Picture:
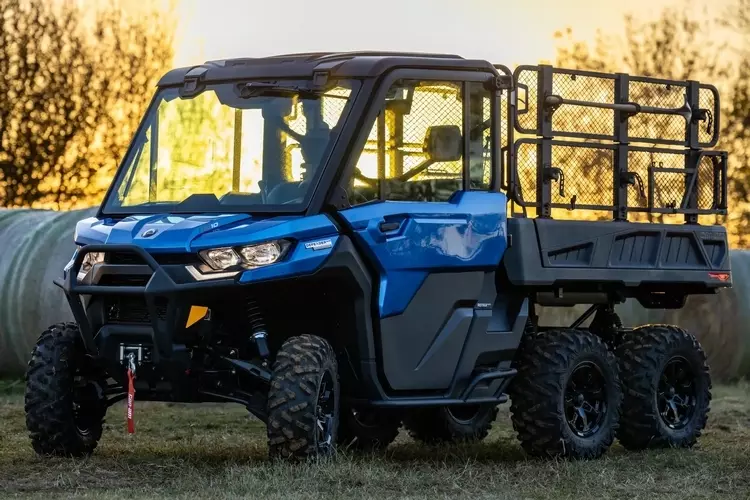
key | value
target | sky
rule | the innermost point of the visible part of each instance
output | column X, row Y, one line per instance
column 501, row 31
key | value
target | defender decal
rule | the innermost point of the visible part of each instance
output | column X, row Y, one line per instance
column 319, row 245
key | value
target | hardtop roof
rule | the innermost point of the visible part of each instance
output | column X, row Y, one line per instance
column 338, row 64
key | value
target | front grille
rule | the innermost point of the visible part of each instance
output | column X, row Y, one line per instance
column 165, row 259
column 131, row 310
column 124, row 279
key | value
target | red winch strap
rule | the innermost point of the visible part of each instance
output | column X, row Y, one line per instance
column 131, row 402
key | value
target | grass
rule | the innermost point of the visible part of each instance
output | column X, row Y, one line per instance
column 214, row 451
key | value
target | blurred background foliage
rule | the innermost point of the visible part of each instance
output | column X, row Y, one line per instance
column 74, row 82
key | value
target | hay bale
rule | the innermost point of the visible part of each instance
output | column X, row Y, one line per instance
column 36, row 245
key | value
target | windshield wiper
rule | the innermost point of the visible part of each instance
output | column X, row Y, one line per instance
column 254, row 89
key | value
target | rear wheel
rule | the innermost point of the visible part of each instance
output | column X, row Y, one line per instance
column 566, row 395
column 303, row 403
column 64, row 402
column 367, row 429
column 667, row 388
column 445, row 424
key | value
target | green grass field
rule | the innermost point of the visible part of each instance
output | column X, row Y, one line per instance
column 212, row 451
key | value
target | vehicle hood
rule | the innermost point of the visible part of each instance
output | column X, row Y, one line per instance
column 168, row 233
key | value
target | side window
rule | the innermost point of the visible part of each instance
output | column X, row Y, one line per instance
column 414, row 151
column 480, row 121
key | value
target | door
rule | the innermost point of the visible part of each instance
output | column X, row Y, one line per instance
column 428, row 223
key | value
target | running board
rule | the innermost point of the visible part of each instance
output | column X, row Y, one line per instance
column 475, row 393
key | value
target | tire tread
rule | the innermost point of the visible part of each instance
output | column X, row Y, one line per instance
column 299, row 364
column 543, row 362
column 641, row 356
column 48, row 401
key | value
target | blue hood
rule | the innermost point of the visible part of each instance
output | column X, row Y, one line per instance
column 168, row 233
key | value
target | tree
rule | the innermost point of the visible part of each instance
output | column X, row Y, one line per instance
column 736, row 126
column 673, row 46
column 72, row 96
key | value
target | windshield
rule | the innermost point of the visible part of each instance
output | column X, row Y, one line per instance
column 234, row 147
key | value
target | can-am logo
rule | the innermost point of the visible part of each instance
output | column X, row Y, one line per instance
column 148, row 232
column 319, row 245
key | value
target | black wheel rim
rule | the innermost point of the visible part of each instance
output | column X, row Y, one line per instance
column 87, row 404
column 585, row 399
column 465, row 413
column 324, row 411
column 676, row 395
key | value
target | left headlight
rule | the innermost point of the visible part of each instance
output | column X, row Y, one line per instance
column 89, row 260
column 247, row 257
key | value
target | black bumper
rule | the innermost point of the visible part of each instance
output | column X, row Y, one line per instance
column 170, row 283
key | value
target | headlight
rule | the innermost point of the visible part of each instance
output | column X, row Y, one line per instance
column 262, row 254
column 89, row 260
column 247, row 257
column 221, row 258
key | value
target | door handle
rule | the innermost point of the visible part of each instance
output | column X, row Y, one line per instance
column 387, row 227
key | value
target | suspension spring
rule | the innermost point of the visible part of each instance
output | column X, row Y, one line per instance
column 258, row 327
column 255, row 317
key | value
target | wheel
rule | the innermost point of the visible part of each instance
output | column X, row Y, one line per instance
column 450, row 424
column 303, row 402
column 367, row 429
column 64, row 402
column 565, row 399
column 667, row 388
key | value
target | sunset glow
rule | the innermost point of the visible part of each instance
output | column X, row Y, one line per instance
column 498, row 30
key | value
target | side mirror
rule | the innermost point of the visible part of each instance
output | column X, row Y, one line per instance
column 443, row 143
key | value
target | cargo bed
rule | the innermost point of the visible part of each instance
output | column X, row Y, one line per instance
column 623, row 258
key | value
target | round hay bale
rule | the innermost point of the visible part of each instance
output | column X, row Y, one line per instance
column 36, row 245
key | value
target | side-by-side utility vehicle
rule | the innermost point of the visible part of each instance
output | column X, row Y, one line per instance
column 346, row 243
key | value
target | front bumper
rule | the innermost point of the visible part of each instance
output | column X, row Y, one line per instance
column 171, row 285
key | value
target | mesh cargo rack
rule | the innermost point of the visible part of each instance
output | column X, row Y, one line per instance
column 614, row 142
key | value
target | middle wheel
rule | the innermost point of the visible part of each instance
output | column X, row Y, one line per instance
column 566, row 396
column 367, row 429
column 444, row 424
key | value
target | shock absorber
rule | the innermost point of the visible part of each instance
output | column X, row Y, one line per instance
column 258, row 327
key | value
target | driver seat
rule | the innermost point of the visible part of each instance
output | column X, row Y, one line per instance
column 283, row 192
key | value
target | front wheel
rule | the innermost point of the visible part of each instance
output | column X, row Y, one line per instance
column 64, row 402
column 667, row 388
column 566, row 395
column 303, row 402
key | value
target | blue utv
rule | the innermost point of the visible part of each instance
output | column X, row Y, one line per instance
column 346, row 243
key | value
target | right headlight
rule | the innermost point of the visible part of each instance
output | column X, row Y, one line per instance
column 245, row 257
column 221, row 259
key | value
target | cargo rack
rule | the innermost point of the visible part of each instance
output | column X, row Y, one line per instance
column 613, row 142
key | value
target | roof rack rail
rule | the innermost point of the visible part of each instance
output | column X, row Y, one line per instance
column 299, row 55
column 380, row 53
